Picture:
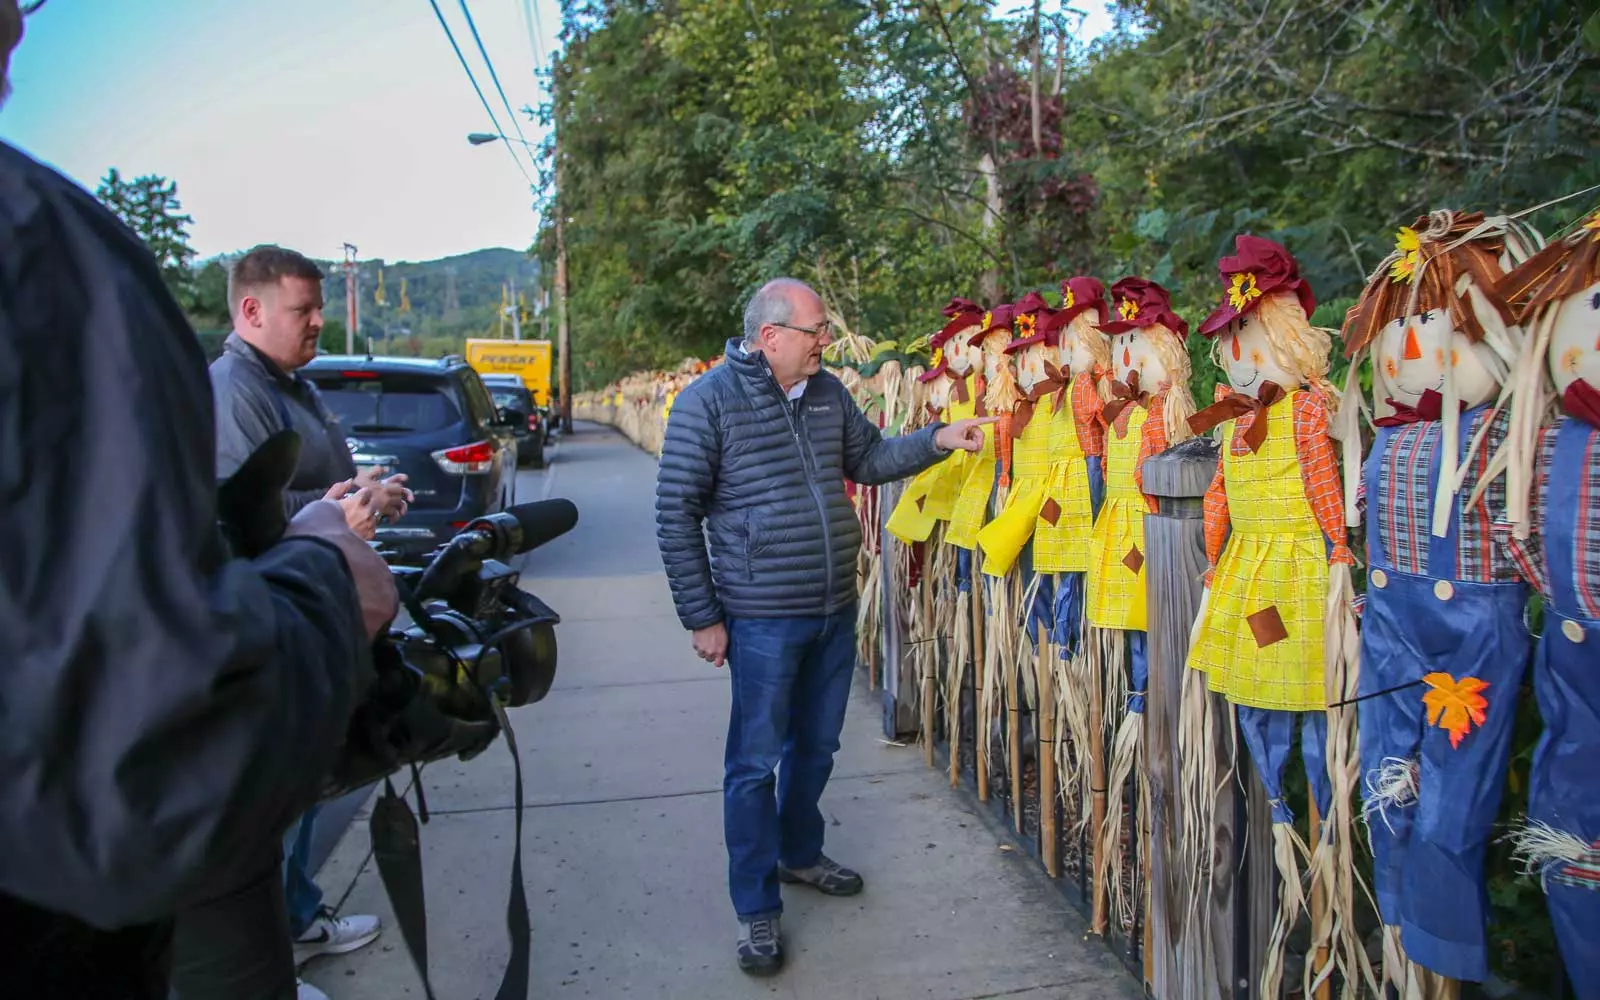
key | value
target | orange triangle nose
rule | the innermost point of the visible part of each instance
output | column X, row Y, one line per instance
column 1236, row 347
column 1413, row 350
column 1127, row 358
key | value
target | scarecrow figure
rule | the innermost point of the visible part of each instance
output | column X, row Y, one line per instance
column 1557, row 467
column 1443, row 644
column 1278, row 583
column 1148, row 412
column 970, row 354
column 931, row 496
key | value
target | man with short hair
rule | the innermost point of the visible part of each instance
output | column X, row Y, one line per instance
column 275, row 299
column 753, row 467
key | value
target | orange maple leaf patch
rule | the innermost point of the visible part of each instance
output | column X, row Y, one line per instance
column 1455, row 705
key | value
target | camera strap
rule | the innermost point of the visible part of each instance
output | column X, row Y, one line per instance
column 396, row 847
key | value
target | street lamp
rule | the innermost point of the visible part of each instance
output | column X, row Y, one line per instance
column 484, row 138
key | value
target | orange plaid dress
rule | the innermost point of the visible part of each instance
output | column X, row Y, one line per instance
column 1116, row 547
column 1260, row 641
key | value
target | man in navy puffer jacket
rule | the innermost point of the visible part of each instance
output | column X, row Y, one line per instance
column 760, row 543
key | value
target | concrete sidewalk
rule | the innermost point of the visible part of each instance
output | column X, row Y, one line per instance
column 623, row 855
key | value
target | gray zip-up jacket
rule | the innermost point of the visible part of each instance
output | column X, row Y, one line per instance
column 751, row 512
column 256, row 399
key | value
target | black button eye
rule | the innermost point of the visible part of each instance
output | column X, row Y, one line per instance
column 1244, row 321
column 1594, row 302
column 1424, row 317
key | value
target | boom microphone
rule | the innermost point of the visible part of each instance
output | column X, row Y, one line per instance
column 543, row 521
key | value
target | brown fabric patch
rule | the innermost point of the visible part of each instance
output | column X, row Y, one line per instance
column 1051, row 511
column 1267, row 626
column 920, row 501
column 1134, row 560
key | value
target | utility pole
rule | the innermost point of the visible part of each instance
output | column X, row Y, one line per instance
column 352, row 281
column 516, row 310
column 562, row 333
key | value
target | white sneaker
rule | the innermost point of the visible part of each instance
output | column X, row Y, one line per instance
column 331, row 935
column 305, row 991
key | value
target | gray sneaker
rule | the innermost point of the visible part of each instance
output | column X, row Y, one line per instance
column 760, row 946
column 826, row 876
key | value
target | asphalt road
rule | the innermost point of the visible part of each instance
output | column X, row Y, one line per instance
column 623, row 857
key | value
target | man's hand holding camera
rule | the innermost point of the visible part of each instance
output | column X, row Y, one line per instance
column 367, row 499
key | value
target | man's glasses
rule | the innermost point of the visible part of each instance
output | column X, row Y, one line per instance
column 817, row 332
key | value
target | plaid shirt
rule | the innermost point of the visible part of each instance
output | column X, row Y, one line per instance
column 1086, row 413
column 1405, row 503
column 1319, row 473
column 1152, row 442
column 1580, row 529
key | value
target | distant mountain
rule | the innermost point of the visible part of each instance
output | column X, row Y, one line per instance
column 452, row 296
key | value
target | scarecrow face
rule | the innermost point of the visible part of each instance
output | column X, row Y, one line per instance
column 1075, row 352
column 1127, row 355
column 939, row 392
column 1247, row 354
column 1030, row 366
column 1575, row 340
column 961, row 356
column 1413, row 352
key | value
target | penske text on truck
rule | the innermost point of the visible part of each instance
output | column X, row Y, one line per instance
column 529, row 359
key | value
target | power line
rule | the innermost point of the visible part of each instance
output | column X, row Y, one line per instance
column 474, row 80
column 495, row 77
column 530, row 19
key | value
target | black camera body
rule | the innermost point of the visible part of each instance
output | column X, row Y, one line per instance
column 473, row 637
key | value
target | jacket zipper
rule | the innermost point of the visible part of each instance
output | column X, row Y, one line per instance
column 791, row 410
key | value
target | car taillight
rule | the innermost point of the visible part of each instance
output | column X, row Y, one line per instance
column 533, row 421
column 467, row 459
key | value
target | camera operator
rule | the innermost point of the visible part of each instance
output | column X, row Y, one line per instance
column 167, row 711
column 275, row 299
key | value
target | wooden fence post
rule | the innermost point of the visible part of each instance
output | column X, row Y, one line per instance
column 1193, row 950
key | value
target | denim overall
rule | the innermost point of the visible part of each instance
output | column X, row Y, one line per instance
column 1429, row 854
column 1564, row 791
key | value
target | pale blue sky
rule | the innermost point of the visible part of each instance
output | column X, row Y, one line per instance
column 309, row 123
column 303, row 122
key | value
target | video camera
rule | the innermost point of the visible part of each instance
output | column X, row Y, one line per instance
column 473, row 638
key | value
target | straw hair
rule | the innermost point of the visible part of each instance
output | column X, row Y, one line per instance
column 1002, row 394
column 1081, row 331
column 1169, row 350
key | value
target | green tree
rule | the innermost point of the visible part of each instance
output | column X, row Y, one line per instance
column 150, row 207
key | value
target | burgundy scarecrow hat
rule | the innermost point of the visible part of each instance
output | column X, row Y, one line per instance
column 1033, row 321
column 1140, row 303
column 1260, row 268
column 998, row 318
column 1077, row 295
column 962, row 314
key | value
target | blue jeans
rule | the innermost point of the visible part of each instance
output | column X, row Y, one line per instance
column 791, row 684
column 301, row 893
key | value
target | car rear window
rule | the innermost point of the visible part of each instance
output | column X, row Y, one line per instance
column 508, row 397
column 388, row 403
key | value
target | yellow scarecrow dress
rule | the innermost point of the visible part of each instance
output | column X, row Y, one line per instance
column 977, row 482
column 930, row 497
column 1116, row 546
column 1003, row 538
column 1067, row 515
column 1260, row 641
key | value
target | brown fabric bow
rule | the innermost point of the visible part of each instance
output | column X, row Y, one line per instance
column 958, row 389
column 1054, row 383
column 1237, row 405
column 1429, row 408
column 980, row 388
column 933, row 411
column 1124, row 396
column 1582, row 402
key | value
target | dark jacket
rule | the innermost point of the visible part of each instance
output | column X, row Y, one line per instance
column 765, row 477
column 256, row 399
column 165, row 712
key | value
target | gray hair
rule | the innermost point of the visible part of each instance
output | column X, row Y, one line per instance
column 772, row 303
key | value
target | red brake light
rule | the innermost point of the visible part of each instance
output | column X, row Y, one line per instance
column 468, row 459
column 480, row 451
column 533, row 421
column 358, row 374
